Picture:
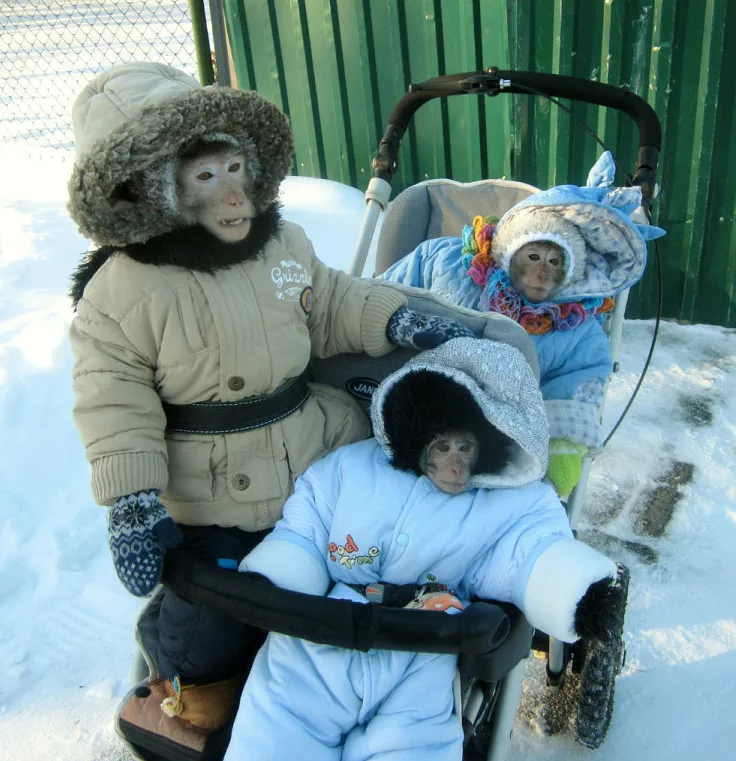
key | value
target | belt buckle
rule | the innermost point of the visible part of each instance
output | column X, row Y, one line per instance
column 375, row 592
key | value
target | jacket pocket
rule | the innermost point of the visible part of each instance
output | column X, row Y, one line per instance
column 190, row 473
column 329, row 419
column 256, row 477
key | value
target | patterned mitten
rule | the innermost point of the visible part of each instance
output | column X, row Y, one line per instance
column 417, row 331
column 139, row 530
column 565, row 465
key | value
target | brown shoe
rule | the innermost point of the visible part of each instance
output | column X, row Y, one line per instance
column 202, row 707
column 141, row 722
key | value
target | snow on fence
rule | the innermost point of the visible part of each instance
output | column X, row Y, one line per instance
column 49, row 49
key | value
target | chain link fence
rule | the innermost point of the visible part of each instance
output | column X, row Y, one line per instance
column 49, row 50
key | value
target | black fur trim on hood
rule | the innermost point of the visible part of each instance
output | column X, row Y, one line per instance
column 422, row 405
column 193, row 248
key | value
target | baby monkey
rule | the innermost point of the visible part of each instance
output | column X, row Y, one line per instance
column 449, row 458
column 537, row 268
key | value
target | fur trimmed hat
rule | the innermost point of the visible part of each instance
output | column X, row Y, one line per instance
column 425, row 404
column 476, row 384
column 539, row 223
column 136, row 117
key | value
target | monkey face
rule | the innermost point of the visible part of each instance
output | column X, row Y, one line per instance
column 537, row 268
column 448, row 460
column 212, row 192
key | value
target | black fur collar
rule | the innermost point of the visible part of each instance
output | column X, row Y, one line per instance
column 192, row 248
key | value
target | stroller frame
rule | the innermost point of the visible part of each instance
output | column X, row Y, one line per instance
column 492, row 639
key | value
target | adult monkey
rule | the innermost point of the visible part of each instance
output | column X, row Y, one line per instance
column 211, row 184
column 191, row 352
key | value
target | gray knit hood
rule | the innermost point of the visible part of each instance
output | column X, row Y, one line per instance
column 134, row 117
column 500, row 383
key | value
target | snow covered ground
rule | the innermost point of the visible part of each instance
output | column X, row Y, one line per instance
column 662, row 498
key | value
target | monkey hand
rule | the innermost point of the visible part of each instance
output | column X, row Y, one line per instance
column 565, row 465
column 139, row 531
column 418, row 331
column 599, row 613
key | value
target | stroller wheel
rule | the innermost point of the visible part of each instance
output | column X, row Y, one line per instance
column 603, row 662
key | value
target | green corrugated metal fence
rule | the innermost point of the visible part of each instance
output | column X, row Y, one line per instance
column 338, row 67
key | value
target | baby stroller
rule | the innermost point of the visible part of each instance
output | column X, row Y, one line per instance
column 492, row 639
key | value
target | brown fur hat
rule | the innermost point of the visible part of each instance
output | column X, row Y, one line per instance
column 134, row 117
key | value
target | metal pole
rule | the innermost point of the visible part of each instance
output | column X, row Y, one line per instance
column 201, row 42
column 504, row 714
column 376, row 199
column 556, row 659
column 219, row 36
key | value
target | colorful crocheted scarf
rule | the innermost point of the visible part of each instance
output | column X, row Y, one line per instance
column 499, row 295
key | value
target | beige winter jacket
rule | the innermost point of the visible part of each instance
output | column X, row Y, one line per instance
column 147, row 333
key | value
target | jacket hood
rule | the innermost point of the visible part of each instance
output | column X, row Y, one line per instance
column 134, row 117
column 605, row 250
column 491, row 390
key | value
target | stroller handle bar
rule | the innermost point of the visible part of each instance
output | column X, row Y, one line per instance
column 494, row 81
column 481, row 628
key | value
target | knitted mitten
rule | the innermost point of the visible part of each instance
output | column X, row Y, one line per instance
column 417, row 331
column 139, row 530
column 565, row 465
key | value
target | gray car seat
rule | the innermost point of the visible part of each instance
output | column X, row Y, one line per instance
column 438, row 208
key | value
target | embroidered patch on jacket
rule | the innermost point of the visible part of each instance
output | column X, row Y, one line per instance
column 291, row 280
column 307, row 299
column 347, row 553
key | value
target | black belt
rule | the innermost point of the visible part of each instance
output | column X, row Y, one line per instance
column 395, row 595
column 234, row 417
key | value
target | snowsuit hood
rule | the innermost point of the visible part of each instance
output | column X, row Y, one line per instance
column 494, row 389
column 135, row 117
column 605, row 250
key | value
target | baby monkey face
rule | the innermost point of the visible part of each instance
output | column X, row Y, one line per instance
column 449, row 459
column 212, row 192
column 536, row 269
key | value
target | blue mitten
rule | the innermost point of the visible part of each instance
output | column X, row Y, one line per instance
column 418, row 331
column 139, row 530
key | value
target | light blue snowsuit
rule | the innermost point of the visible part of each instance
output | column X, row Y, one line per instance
column 354, row 520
